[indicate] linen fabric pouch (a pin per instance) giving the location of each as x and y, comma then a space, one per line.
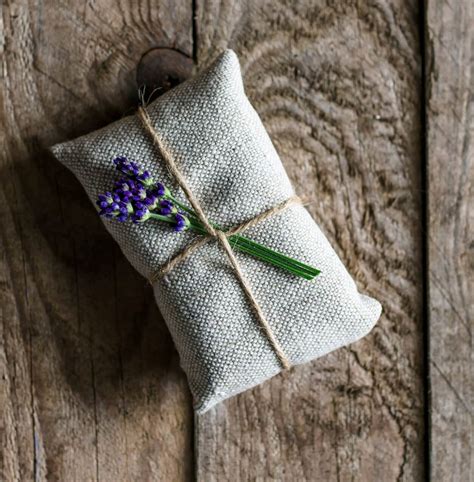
228, 159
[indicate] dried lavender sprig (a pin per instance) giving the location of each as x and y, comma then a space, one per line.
140, 193
256, 249
133, 170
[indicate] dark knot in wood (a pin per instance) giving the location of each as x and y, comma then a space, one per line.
161, 69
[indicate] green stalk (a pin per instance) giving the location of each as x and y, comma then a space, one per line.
251, 247
159, 217
258, 248
254, 249
237, 244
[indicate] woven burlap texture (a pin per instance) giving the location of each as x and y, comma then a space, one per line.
232, 167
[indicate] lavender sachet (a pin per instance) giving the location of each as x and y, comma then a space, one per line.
307, 299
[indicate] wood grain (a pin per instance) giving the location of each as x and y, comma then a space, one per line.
450, 153
90, 386
338, 85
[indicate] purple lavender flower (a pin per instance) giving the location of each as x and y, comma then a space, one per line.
141, 215
112, 206
144, 177
167, 207
124, 185
104, 200
139, 193
107, 198
151, 200
161, 191
137, 196
137, 178
134, 171
182, 222
124, 165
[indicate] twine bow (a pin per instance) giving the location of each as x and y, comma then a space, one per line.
218, 235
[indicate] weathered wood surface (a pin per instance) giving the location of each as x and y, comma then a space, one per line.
90, 386
450, 153
339, 88
89, 381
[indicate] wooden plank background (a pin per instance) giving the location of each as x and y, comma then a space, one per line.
450, 163
370, 106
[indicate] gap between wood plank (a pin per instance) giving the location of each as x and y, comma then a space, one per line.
425, 240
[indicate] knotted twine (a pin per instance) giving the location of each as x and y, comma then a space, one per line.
217, 234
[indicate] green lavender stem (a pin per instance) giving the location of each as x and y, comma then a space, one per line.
270, 256
245, 245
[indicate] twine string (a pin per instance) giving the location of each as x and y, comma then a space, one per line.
202, 240
218, 235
